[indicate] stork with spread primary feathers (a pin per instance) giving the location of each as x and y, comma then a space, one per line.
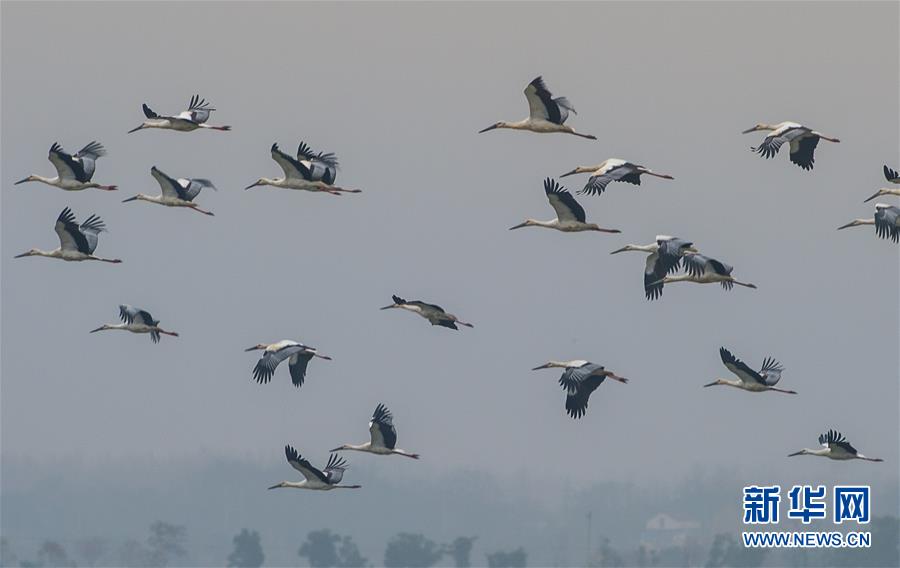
612, 169
545, 113
664, 258
893, 177
836, 447
749, 380
191, 119
579, 380
570, 217
73, 172
382, 436
803, 141
137, 320
76, 242
886, 221
702, 269
317, 479
432, 312
297, 354
175, 192
308, 171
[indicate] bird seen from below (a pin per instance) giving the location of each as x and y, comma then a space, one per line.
803, 141
570, 216
382, 436
175, 192
307, 172
314, 478
612, 169
836, 447
73, 172
186, 121
433, 313
749, 380
545, 113
664, 258
579, 380
76, 242
137, 320
297, 354
701, 269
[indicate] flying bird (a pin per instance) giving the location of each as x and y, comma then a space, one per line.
570, 217
186, 121
76, 242
664, 258
73, 173
308, 171
579, 380
803, 141
886, 221
317, 479
137, 320
545, 113
747, 379
893, 177
382, 436
836, 447
612, 169
175, 192
433, 313
297, 354
702, 269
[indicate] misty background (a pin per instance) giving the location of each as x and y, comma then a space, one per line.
104, 434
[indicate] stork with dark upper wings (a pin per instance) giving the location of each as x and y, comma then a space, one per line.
610, 170
664, 258
836, 447
137, 320
191, 119
570, 216
73, 172
579, 380
432, 312
801, 140
76, 242
382, 436
175, 192
545, 113
314, 478
749, 380
309, 171
702, 269
297, 355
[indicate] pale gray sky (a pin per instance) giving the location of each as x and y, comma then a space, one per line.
399, 91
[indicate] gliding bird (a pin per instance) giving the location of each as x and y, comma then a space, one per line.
433, 313
191, 119
73, 173
803, 141
317, 479
175, 192
886, 221
570, 217
612, 169
579, 380
309, 172
545, 113
137, 320
749, 380
836, 448
702, 269
382, 434
664, 258
893, 177
297, 354
76, 242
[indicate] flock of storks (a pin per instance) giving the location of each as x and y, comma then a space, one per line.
316, 172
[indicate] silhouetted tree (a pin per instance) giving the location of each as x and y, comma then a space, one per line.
91, 550
322, 551
166, 543
513, 559
406, 550
349, 556
248, 552
52, 553
461, 550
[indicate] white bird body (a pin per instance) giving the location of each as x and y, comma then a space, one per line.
802, 141
664, 257
76, 242
186, 121
435, 314
382, 436
73, 172
297, 355
314, 478
570, 215
136, 320
747, 379
610, 170
545, 113
702, 269
836, 447
314, 172
175, 192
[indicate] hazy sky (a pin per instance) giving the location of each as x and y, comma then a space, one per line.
399, 91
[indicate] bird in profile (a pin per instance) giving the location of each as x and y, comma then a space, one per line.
570, 216
76, 242
137, 320
382, 436
433, 313
297, 354
73, 172
747, 379
314, 478
802, 141
835, 447
186, 121
545, 113
701, 269
893, 177
664, 258
309, 171
612, 169
886, 221
579, 380
175, 192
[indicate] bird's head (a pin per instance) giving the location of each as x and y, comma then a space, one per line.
715, 382
756, 127
879, 193
32, 252
802, 452
135, 198
339, 448
500, 124
143, 125
256, 347
394, 305
580, 170
279, 485
29, 178
260, 181
548, 365
525, 223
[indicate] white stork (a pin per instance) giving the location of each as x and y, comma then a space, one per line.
702, 269
579, 380
432, 312
76, 242
570, 217
836, 447
803, 141
886, 221
136, 320
297, 354
612, 169
317, 479
175, 192
186, 121
747, 379
545, 113
382, 436
73, 173
308, 172
664, 258
893, 177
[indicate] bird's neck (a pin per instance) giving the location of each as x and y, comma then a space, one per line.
47, 180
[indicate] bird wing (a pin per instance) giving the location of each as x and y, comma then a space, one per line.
696, 264
87, 158
381, 428
542, 105
802, 149
270, 360
191, 187
169, 185
131, 314
90, 230
577, 401
834, 439
304, 152
567, 209
773, 142
442, 321
887, 223
654, 272
397, 299
73, 237
334, 471
297, 366
891, 175
771, 371
66, 166
292, 167
739, 368
572, 377
612, 171
198, 110
302, 465
670, 253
